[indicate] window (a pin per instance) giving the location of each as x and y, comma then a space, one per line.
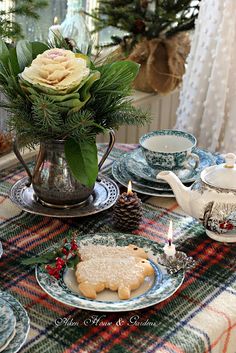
38, 30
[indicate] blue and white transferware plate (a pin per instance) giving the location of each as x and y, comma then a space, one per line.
7, 323
137, 165
154, 290
123, 177
140, 181
22, 323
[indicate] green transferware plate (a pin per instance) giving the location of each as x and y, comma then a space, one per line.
137, 165
123, 178
154, 290
7, 322
22, 323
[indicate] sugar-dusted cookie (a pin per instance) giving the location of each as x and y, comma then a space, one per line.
122, 274
91, 251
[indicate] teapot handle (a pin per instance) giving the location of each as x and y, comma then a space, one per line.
109, 148
21, 160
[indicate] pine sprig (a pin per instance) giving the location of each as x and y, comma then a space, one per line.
145, 19
79, 116
46, 115
81, 126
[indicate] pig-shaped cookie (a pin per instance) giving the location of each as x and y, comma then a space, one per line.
88, 252
122, 274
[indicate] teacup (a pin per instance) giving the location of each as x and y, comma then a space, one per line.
169, 149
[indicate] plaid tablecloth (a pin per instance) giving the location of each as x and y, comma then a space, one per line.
199, 317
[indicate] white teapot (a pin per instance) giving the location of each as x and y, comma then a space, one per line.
211, 199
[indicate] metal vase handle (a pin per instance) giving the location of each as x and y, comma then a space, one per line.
21, 160
109, 148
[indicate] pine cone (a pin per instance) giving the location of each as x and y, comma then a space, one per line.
127, 212
5, 142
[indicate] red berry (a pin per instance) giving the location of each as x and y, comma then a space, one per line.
65, 251
74, 247
60, 261
56, 275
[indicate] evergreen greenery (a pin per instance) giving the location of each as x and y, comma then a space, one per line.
101, 102
9, 28
145, 18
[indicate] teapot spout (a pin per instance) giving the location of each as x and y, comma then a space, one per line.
182, 193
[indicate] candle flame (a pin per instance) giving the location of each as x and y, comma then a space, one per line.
55, 21
170, 233
129, 190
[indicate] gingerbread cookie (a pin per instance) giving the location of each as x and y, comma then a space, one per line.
91, 251
122, 274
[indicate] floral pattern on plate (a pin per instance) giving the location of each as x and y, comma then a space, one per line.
164, 284
141, 182
124, 177
137, 166
7, 322
22, 323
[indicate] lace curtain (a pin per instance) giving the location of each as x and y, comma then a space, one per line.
208, 96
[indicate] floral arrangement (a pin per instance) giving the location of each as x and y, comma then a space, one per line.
55, 93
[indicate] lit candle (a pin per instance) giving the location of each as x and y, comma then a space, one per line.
169, 249
129, 189
54, 31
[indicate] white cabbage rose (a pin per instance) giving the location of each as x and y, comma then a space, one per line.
57, 69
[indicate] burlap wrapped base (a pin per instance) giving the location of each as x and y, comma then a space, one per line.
5, 142
162, 63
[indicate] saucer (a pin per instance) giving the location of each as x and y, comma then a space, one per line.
7, 323
103, 197
154, 290
141, 182
22, 326
137, 166
123, 177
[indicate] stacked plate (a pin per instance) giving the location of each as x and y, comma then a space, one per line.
14, 324
133, 166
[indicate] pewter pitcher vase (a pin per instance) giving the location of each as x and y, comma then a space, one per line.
52, 180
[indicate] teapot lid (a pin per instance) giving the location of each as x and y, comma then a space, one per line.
223, 175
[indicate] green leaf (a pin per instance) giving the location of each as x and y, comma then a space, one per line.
83, 161
24, 54
128, 70
73, 261
14, 61
38, 48
43, 259
4, 52
4, 57
84, 92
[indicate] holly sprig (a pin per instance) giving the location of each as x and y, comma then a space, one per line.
55, 261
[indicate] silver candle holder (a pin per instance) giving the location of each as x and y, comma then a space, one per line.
173, 264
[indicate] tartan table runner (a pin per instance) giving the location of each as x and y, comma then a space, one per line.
199, 318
